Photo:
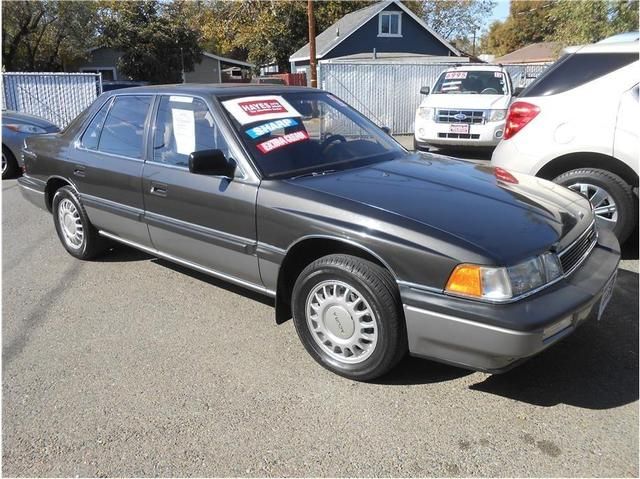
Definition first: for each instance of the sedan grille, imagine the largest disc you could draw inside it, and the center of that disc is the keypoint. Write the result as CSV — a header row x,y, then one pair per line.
x,y
473,117
573,255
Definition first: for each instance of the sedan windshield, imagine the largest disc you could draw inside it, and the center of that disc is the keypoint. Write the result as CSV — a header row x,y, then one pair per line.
x,y
292,134
471,82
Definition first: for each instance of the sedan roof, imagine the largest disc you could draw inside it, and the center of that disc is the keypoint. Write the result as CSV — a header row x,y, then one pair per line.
x,y
216,89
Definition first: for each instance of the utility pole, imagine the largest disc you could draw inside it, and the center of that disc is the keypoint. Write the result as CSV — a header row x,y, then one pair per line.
x,y
312,44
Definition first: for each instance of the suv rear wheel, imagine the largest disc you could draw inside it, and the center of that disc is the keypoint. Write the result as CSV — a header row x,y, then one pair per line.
x,y
611,197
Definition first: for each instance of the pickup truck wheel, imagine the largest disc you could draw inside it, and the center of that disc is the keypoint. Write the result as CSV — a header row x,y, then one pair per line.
x,y
348,316
611,197
78,236
9,164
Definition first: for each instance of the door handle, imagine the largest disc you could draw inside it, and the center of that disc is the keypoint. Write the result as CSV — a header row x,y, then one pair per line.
x,y
158,189
79,170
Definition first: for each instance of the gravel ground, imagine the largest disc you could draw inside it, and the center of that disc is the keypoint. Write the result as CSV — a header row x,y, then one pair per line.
x,y
130,366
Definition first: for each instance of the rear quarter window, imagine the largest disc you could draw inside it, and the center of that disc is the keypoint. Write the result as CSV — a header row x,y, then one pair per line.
x,y
575,70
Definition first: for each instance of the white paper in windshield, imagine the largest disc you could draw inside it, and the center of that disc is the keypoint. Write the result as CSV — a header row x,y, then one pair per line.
x,y
257,108
184,130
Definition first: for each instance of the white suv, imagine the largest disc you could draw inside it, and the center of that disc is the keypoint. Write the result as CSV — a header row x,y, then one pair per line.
x,y
466,107
577,124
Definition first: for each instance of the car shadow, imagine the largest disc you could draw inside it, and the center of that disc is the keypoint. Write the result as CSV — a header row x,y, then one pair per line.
x,y
123,254
412,371
595,368
213,281
466,153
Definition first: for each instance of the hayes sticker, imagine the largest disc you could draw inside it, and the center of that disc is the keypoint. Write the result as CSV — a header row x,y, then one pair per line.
x,y
255,108
275,143
258,131
251,109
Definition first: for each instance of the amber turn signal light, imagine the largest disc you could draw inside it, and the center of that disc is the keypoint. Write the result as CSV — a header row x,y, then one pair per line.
x,y
465,279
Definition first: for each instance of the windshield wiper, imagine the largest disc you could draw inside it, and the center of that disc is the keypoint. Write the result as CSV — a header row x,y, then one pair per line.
x,y
313,173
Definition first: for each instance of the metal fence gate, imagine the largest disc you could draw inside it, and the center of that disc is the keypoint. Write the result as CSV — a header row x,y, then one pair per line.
x,y
57,97
389,93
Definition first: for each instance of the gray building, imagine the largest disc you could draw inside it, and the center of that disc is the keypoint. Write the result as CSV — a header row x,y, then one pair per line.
x,y
211,68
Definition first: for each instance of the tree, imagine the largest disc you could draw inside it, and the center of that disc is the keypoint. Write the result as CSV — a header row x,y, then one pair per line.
x,y
265,32
154,37
563,21
45,35
591,20
456,18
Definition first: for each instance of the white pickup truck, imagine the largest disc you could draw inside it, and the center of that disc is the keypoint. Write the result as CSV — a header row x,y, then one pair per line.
x,y
466,107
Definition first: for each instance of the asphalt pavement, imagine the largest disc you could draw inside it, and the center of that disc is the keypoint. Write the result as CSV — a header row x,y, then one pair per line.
x,y
131,366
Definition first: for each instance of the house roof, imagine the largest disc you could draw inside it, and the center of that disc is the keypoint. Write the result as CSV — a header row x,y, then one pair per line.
x,y
206,54
536,52
343,28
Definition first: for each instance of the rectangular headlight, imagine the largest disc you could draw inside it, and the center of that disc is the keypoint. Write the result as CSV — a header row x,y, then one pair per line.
x,y
425,113
500,284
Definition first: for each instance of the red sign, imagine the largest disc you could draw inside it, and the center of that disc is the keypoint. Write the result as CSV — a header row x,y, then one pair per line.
x,y
275,143
262,107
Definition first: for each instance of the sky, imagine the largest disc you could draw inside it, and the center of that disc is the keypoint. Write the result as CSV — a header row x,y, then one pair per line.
x,y
500,11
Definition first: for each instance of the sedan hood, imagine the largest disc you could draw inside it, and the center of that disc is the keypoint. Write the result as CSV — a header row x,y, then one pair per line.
x,y
505,217
467,102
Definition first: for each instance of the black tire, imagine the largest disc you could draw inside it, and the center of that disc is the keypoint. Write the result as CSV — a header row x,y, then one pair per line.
x,y
92,244
12,169
615,186
378,289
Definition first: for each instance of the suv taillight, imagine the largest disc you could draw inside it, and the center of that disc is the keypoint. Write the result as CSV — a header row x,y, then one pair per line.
x,y
520,113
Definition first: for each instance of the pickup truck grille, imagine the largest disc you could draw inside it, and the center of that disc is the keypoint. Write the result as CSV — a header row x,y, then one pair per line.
x,y
573,255
473,117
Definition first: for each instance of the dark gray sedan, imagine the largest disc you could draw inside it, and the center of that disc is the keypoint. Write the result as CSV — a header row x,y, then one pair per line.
x,y
288,191
16,127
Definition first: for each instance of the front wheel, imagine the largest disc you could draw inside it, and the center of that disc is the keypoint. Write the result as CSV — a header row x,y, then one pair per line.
x,y
348,316
610,196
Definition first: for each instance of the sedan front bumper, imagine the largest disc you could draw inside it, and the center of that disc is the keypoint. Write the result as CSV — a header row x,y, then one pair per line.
x,y
496,337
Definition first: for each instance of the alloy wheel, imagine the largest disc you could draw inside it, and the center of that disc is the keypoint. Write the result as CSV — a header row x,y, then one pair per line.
x,y
341,322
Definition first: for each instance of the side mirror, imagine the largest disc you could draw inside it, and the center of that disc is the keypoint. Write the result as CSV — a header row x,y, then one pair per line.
x,y
518,90
386,129
425,90
211,162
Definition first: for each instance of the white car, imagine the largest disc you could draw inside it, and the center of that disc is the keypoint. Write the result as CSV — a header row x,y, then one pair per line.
x,y
578,124
466,107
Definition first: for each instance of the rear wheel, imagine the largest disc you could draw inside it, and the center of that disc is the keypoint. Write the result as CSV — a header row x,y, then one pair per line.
x,y
78,236
348,315
611,197
10,167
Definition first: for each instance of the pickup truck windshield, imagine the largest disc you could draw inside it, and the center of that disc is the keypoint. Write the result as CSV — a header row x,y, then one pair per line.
x,y
292,134
471,82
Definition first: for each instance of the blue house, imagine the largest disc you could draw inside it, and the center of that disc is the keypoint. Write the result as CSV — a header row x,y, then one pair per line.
x,y
384,27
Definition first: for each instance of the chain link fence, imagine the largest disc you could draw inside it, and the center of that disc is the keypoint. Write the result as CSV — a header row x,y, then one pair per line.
x,y
389,93
57,97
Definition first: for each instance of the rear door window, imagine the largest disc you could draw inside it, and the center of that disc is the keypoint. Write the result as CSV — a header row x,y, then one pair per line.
x,y
123,131
575,70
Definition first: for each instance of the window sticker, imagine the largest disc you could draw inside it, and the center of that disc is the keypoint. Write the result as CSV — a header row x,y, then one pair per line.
x,y
258,131
455,75
497,74
184,130
275,143
256,108
181,99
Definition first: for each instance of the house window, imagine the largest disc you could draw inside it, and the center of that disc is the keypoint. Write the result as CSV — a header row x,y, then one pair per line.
x,y
390,24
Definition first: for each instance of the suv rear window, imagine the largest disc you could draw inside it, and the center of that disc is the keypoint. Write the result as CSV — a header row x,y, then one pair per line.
x,y
575,70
